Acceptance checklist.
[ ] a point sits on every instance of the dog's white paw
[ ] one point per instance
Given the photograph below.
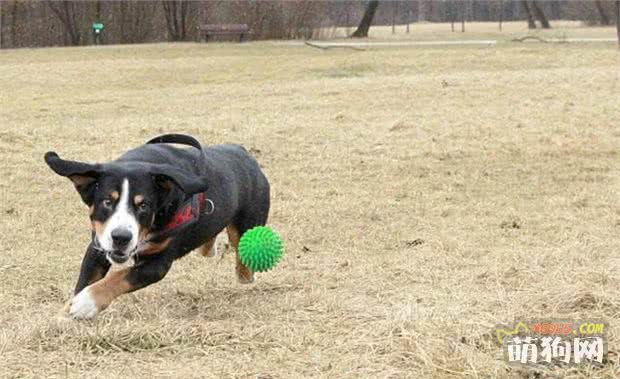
(83, 305)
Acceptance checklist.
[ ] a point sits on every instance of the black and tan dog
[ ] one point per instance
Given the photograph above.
(155, 204)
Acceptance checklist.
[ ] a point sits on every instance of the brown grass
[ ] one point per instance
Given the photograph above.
(424, 195)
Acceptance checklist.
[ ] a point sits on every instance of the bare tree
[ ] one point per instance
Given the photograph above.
(347, 12)
(123, 23)
(540, 15)
(2, 21)
(394, 10)
(601, 13)
(134, 17)
(176, 19)
(259, 16)
(452, 13)
(364, 26)
(302, 15)
(408, 16)
(66, 13)
(14, 24)
(463, 16)
(618, 20)
(531, 24)
(500, 14)
(98, 10)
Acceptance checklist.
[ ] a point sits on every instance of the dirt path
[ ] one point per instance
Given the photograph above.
(481, 42)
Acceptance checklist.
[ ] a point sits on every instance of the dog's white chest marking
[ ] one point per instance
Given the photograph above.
(83, 305)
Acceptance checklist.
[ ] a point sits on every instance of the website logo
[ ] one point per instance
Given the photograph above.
(553, 342)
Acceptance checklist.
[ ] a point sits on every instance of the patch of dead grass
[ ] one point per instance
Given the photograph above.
(425, 195)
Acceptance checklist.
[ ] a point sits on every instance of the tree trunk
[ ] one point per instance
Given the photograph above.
(65, 11)
(618, 20)
(2, 21)
(170, 10)
(183, 21)
(394, 17)
(428, 13)
(408, 17)
(98, 11)
(123, 22)
(347, 19)
(531, 24)
(463, 15)
(418, 8)
(601, 13)
(364, 26)
(170, 13)
(540, 15)
(452, 7)
(14, 24)
(473, 11)
(139, 26)
(501, 14)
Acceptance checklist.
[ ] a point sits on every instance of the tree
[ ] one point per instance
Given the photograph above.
(463, 16)
(408, 17)
(540, 15)
(176, 19)
(618, 20)
(98, 11)
(134, 20)
(531, 24)
(394, 10)
(452, 14)
(500, 14)
(364, 26)
(65, 11)
(601, 13)
(14, 24)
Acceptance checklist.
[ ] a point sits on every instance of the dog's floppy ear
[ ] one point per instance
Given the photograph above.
(187, 182)
(83, 175)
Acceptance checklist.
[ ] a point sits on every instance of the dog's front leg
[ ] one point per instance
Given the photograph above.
(97, 296)
(94, 267)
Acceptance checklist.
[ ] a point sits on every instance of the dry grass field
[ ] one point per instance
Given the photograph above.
(424, 195)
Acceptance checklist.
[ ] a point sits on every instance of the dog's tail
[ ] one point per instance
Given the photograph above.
(182, 139)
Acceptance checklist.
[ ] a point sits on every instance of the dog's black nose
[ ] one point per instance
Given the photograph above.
(121, 237)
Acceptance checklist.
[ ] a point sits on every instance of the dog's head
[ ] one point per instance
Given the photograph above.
(125, 198)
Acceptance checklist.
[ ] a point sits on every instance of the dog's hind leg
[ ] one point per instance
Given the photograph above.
(254, 213)
(235, 231)
(209, 248)
(244, 274)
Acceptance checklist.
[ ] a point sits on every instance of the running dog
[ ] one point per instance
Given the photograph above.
(155, 204)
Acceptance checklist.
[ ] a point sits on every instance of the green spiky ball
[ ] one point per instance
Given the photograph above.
(260, 249)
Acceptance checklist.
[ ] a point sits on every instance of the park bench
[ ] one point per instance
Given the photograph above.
(225, 30)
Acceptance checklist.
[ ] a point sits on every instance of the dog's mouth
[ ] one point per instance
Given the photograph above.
(118, 257)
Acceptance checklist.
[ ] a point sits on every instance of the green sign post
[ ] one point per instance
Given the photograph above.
(97, 28)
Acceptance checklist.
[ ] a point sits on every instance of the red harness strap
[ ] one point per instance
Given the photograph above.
(188, 213)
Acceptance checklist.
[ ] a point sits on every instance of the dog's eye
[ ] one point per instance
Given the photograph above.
(107, 203)
(143, 207)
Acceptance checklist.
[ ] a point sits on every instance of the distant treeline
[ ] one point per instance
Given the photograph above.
(61, 23)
